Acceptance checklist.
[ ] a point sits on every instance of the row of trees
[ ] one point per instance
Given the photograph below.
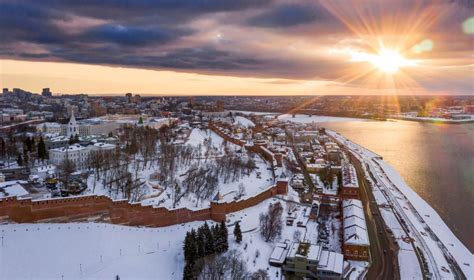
(204, 242)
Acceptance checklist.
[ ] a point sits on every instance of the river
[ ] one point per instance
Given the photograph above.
(436, 160)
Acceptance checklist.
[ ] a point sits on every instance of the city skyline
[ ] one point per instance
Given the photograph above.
(238, 48)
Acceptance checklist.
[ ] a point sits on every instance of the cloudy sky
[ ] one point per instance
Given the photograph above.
(238, 47)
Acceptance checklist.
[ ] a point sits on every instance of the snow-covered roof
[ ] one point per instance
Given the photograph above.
(354, 223)
(279, 253)
(356, 236)
(353, 211)
(70, 148)
(349, 202)
(11, 188)
(312, 252)
(349, 176)
(50, 124)
(331, 261)
(104, 146)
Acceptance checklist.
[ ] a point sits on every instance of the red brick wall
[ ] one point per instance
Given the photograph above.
(120, 212)
(355, 252)
(350, 192)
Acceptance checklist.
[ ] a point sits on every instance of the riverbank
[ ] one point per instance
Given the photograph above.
(432, 120)
(444, 251)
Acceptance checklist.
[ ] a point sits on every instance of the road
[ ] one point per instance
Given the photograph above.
(383, 248)
(397, 208)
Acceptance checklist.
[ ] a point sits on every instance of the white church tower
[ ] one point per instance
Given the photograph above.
(72, 127)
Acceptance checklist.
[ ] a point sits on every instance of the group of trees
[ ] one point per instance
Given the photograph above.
(208, 258)
(117, 173)
(225, 266)
(233, 166)
(203, 243)
(141, 141)
(327, 175)
(201, 175)
(73, 139)
(271, 222)
(32, 150)
(8, 149)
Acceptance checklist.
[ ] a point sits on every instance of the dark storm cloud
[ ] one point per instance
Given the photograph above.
(126, 36)
(29, 23)
(206, 58)
(166, 9)
(286, 16)
(166, 34)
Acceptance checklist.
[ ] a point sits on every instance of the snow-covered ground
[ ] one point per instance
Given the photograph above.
(199, 136)
(252, 239)
(252, 183)
(411, 117)
(209, 142)
(316, 119)
(253, 113)
(102, 251)
(431, 234)
(242, 121)
(91, 251)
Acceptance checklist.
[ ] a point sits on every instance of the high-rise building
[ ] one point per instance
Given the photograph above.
(46, 92)
(129, 97)
(137, 99)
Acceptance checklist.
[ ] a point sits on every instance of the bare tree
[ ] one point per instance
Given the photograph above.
(271, 223)
(291, 206)
(240, 192)
(66, 168)
(226, 266)
(260, 275)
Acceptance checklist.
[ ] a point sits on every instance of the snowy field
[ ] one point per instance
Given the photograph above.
(91, 251)
(316, 119)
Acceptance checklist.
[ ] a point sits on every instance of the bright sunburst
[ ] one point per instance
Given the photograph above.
(386, 60)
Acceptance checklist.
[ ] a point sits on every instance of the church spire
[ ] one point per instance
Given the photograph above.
(72, 128)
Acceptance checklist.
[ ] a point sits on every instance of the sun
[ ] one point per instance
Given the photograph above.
(388, 61)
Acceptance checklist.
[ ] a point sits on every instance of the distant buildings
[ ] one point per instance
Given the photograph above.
(81, 128)
(46, 92)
